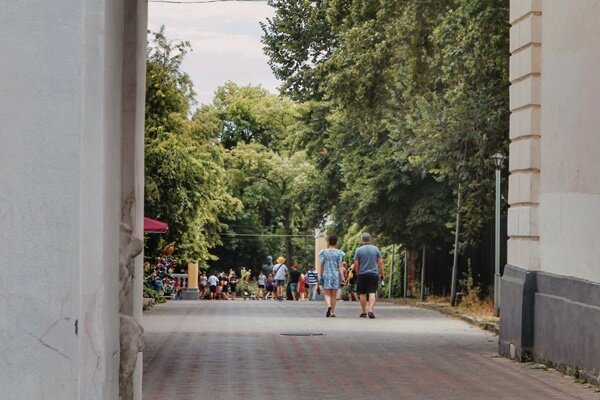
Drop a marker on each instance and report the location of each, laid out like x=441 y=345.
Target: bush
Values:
x=153 y=294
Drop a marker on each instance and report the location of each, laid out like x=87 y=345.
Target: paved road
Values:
x=235 y=350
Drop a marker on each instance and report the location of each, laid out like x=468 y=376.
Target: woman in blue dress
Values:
x=331 y=260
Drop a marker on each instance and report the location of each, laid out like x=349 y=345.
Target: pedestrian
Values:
x=351 y=282
x=331 y=263
x=344 y=274
x=368 y=263
x=232 y=284
x=202 y=281
x=270 y=287
x=281 y=271
x=262 y=280
x=225 y=285
x=302 y=287
x=212 y=285
x=312 y=279
x=294 y=281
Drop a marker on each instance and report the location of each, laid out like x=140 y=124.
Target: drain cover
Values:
x=301 y=334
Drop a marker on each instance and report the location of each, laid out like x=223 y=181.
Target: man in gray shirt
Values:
x=369 y=265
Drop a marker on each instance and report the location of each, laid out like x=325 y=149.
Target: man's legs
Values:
x=372 y=299
x=363 y=303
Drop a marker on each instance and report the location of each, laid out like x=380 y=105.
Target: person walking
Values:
x=280 y=270
x=368 y=263
x=270 y=287
x=302 y=285
x=294 y=280
x=233 y=280
x=202 y=282
x=351 y=281
x=312 y=277
x=262 y=280
x=212 y=285
x=331 y=263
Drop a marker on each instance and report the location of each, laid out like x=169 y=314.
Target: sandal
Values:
x=371 y=315
x=332 y=315
x=328 y=312
x=363 y=315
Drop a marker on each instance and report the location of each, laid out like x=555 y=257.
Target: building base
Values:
x=551 y=319
x=191 y=294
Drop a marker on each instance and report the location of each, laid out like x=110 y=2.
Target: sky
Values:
x=225 y=39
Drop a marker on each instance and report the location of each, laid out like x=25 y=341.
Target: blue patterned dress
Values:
x=331 y=259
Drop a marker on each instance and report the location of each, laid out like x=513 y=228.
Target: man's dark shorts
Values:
x=213 y=289
x=367 y=283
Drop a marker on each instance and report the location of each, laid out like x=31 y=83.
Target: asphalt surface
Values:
x=236 y=350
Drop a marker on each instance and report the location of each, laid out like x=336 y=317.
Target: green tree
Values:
x=184 y=164
x=250 y=114
x=268 y=184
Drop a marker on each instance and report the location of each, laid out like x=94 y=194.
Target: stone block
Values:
x=524 y=154
x=517 y=290
x=526 y=31
x=523 y=221
x=524 y=252
x=526 y=92
x=526 y=122
x=525 y=62
x=524 y=187
x=520 y=8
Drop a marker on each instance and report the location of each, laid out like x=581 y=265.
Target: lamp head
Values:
x=498 y=159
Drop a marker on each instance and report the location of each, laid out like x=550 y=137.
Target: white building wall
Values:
x=525 y=133
x=61 y=134
x=569 y=220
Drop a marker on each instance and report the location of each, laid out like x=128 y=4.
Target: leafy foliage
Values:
x=407 y=100
x=184 y=164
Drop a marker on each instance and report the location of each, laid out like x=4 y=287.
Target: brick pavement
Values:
x=235 y=350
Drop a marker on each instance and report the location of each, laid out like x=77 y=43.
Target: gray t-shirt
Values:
x=367 y=256
x=279 y=270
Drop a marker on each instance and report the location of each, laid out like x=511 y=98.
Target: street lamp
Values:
x=498 y=159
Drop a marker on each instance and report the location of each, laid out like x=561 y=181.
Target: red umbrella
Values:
x=154 y=226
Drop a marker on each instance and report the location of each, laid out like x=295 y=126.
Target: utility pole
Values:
x=391 y=272
x=423 y=276
x=455 y=263
x=405 y=272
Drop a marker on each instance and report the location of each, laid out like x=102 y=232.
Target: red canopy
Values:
x=154 y=226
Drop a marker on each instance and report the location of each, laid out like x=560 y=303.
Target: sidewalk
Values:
x=236 y=350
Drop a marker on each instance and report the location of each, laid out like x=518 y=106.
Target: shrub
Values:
x=153 y=294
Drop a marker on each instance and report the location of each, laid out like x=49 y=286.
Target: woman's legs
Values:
x=333 y=301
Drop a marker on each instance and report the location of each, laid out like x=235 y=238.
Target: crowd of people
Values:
x=361 y=278
x=218 y=286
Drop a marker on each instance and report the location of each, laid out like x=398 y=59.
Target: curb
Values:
x=148 y=302
x=485 y=325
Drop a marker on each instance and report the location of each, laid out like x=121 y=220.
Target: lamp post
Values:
x=498 y=159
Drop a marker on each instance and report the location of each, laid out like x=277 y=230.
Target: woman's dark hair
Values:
x=332 y=240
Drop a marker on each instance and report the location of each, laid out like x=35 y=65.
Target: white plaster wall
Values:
x=569 y=216
x=60 y=135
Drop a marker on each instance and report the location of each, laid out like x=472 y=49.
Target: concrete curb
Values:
x=148 y=302
x=485 y=325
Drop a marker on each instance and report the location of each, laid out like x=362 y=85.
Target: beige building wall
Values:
x=525 y=133
x=320 y=244
x=569 y=223
x=550 y=290
x=554 y=185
